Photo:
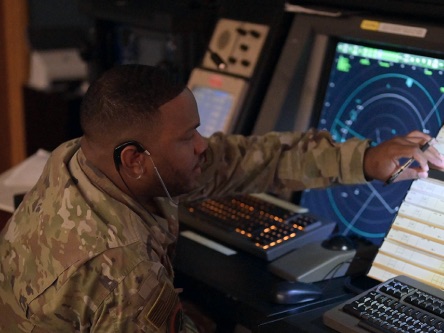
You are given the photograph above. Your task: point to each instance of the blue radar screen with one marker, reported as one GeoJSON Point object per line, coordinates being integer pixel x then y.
{"type": "Point", "coordinates": [376, 94]}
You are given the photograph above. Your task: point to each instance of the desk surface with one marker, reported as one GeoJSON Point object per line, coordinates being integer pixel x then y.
{"type": "Point", "coordinates": [237, 288]}
{"type": "Point", "coordinates": [306, 322]}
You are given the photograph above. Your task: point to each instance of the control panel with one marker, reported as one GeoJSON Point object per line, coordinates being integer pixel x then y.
{"type": "Point", "coordinates": [237, 45]}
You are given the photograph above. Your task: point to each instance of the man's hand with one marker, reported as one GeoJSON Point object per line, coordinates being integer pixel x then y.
{"type": "Point", "coordinates": [382, 161]}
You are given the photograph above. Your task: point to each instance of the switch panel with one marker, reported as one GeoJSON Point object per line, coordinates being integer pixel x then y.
{"type": "Point", "coordinates": [238, 45]}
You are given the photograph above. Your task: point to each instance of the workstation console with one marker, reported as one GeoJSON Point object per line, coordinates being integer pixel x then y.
{"type": "Point", "coordinates": [355, 73]}
{"type": "Point", "coordinates": [354, 69]}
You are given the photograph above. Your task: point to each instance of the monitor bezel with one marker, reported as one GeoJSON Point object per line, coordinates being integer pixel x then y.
{"type": "Point", "coordinates": [296, 90]}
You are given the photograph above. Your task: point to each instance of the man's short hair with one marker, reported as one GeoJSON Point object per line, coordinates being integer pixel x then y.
{"type": "Point", "coordinates": [126, 96]}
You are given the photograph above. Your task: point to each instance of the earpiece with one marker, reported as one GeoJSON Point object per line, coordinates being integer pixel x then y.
{"type": "Point", "coordinates": [140, 149]}
{"type": "Point", "coordinates": [142, 171]}
{"type": "Point", "coordinates": [119, 148]}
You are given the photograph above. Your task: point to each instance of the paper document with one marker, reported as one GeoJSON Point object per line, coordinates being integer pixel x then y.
{"type": "Point", "coordinates": [21, 178]}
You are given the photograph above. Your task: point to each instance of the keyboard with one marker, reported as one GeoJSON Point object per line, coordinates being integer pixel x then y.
{"type": "Point", "coordinates": [262, 225]}
{"type": "Point", "coordinates": [399, 305]}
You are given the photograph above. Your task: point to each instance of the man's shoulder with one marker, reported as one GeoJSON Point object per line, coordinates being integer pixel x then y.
{"type": "Point", "coordinates": [82, 289]}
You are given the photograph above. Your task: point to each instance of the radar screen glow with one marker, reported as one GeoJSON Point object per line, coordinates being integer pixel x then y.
{"type": "Point", "coordinates": [375, 94]}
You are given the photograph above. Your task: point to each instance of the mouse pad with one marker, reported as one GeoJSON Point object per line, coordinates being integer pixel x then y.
{"type": "Point", "coordinates": [312, 263]}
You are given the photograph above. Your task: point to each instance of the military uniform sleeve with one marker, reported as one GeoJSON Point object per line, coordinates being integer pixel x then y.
{"type": "Point", "coordinates": [280, 161]}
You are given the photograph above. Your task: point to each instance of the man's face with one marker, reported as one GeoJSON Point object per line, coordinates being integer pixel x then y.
{"type": "Point", "coordinates": [178, 150]}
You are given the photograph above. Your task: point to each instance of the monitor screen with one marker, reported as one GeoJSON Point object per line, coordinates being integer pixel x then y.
{"type": "Point", "coordinates": [219, 97]}
{"type": "Point", "coordinates": [357, 75]}
{"type": "Point", "coordinates": [375, 92]}
{"type": "Point", "coordinates": [214, 108]}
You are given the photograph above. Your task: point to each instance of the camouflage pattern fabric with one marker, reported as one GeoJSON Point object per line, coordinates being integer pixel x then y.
{"type": "Point", "coordinates": [78, 255]}
{"type": "Point", "coordinates": [278, 162]}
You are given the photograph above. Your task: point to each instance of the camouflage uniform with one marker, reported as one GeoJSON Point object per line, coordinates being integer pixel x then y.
{"type": "Point", "coordinates": [79, 255]}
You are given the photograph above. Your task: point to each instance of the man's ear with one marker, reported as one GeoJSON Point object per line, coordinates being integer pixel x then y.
{"type": "Point", "coordinates": [118, 151]}
{"type": "Point", "coordinates": [131, 161]}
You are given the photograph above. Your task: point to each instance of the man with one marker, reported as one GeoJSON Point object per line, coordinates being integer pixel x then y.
{"type": "Point", "coordinates": [90, 247]}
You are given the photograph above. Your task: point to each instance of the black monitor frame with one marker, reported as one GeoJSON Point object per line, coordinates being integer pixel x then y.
{"type": "Point", "coordinates": [295, 92]}
{"type": "Point", "coordinates": [295, 97]}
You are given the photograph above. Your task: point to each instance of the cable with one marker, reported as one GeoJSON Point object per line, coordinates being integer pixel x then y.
{"type": "Point", "coordinates": [161, 180]}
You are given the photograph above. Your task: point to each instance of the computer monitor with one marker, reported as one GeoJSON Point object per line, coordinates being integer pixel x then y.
{"type": "Point", "coordinates": [219, 98]}
{"type": "Point", "coordinates": [363, 77]}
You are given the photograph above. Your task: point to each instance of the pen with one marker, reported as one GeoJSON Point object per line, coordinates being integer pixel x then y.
{"type": "Point", "coordinates": [405, 165]}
